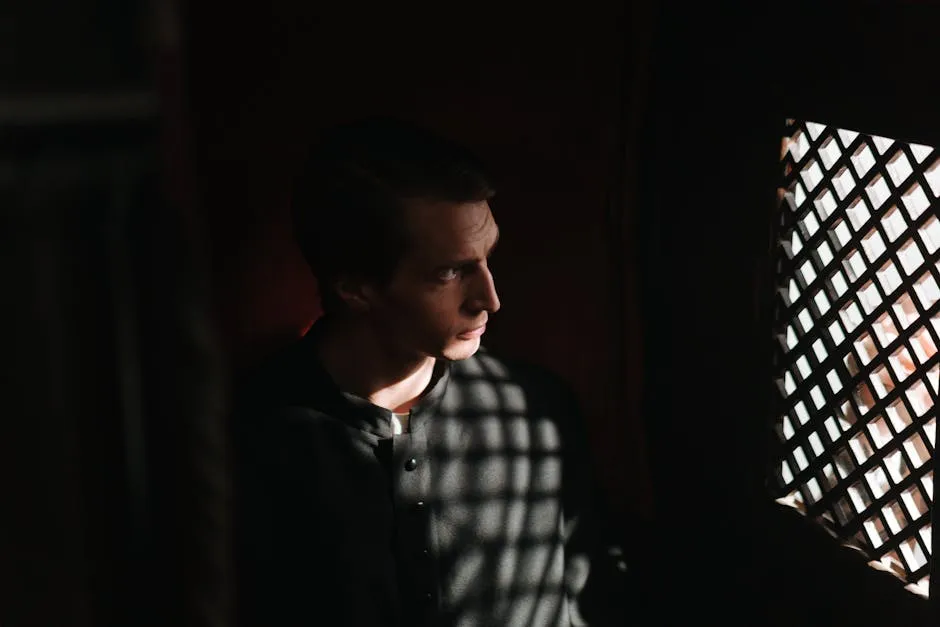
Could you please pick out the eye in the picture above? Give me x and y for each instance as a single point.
(449, 274)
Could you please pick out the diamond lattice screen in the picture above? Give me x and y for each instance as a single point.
(858, 327)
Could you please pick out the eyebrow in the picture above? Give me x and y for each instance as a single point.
(467, 262)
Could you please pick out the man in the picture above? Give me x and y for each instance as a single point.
(390, 471)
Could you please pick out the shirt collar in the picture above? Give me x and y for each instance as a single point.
(322, 393)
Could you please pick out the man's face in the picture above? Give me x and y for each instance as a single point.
(442, 292)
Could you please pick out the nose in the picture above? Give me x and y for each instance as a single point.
(486, 298)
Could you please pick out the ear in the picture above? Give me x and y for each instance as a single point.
(358, 294)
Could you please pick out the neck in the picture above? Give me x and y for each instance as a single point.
(361, 363)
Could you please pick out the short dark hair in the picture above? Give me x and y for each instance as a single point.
(347, 204)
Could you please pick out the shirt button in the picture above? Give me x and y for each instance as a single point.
(411, 464)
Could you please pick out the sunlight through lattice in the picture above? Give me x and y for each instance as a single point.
(858, 327)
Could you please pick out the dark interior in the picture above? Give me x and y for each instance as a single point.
(636, 150)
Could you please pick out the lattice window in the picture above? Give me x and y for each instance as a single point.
(858, 328)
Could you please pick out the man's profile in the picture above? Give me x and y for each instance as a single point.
(390, 470)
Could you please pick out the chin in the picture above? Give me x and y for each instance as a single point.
(461, 349)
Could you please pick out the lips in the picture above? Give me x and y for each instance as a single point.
(473, 332)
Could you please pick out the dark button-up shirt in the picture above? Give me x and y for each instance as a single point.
(479, 514)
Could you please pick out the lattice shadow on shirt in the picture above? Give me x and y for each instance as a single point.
(506, 465)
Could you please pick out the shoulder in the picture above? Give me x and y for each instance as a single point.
(538, 387)
(485, 364)
(527, 399)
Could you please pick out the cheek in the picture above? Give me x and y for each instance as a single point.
(419, 309)
(439, 312)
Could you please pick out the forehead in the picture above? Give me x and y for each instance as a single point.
(447, 230)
